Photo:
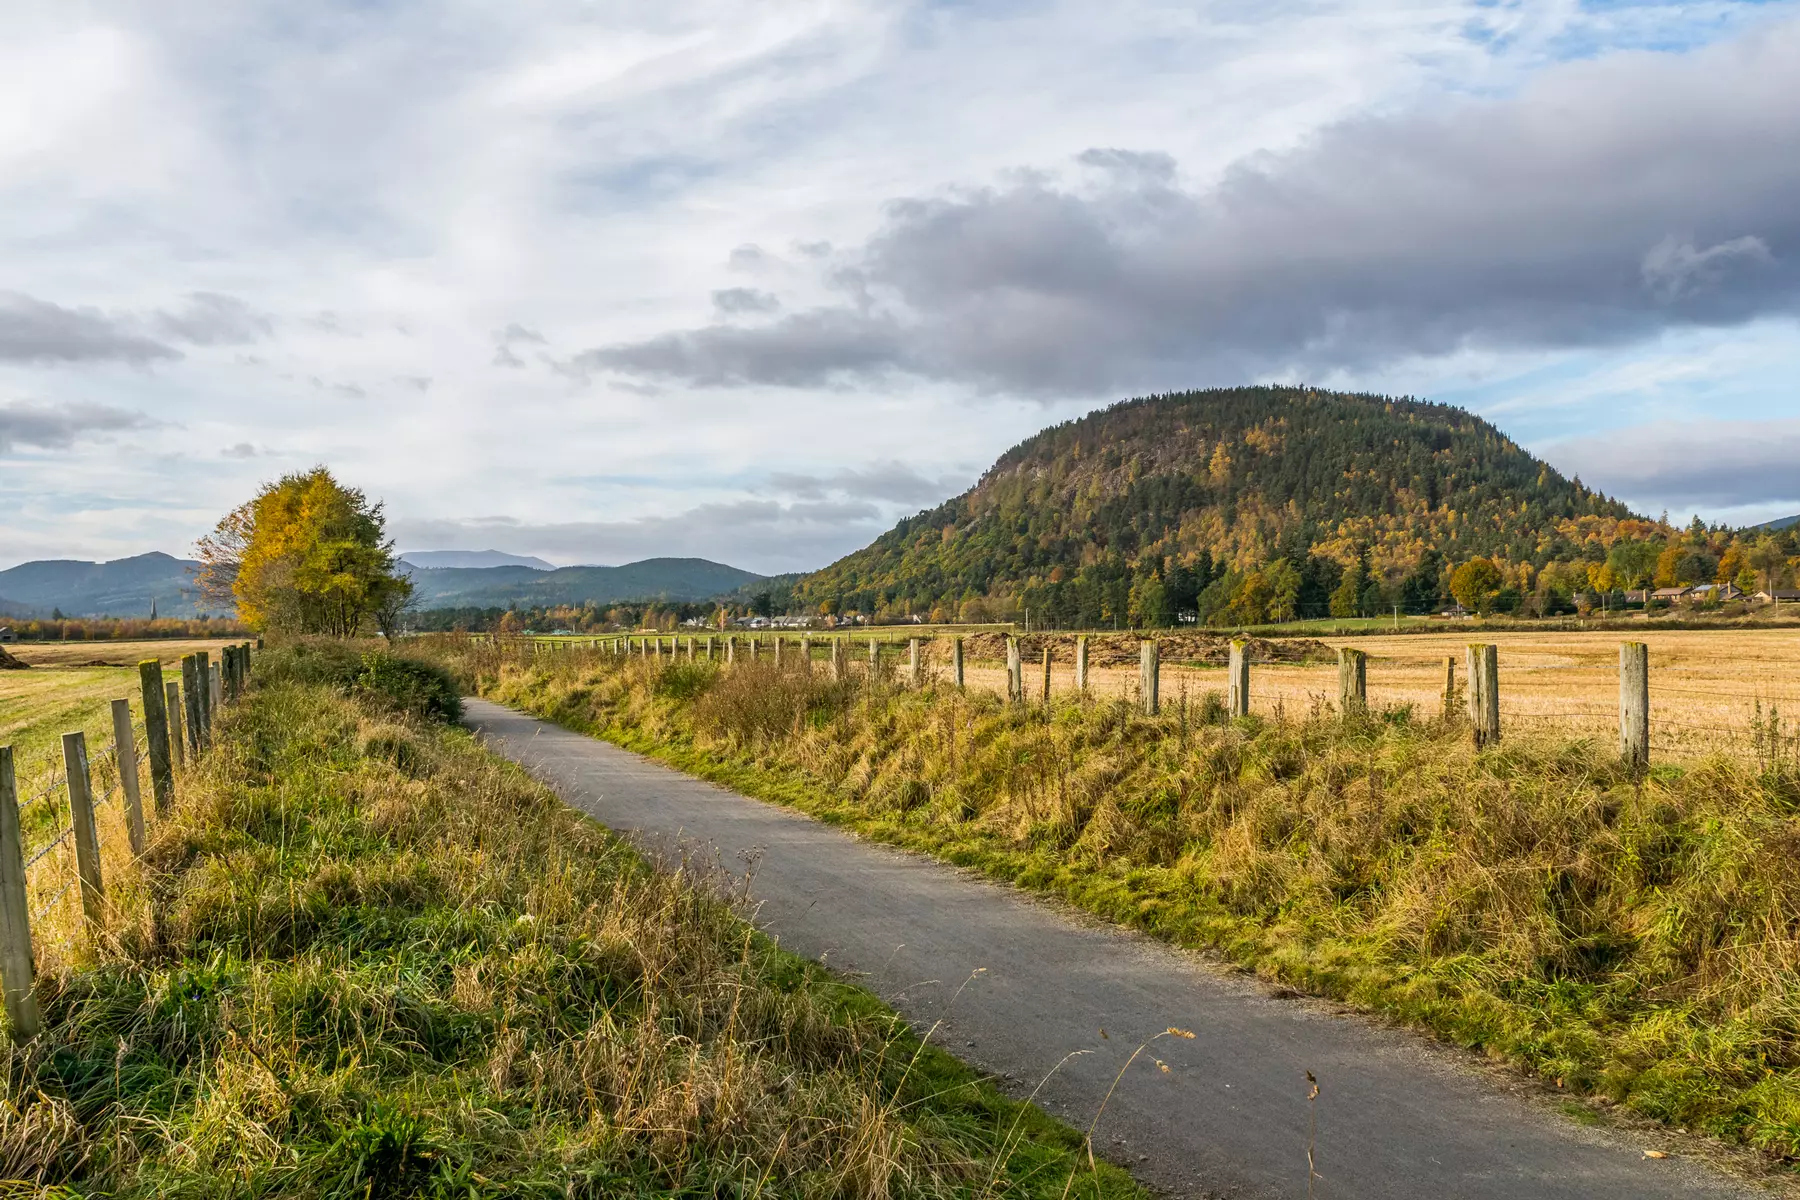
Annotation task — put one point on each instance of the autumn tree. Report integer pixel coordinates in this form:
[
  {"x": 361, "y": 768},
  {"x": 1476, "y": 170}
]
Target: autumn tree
[
  {"x": 306, "y": 556},
  {"x": 1476, "y": 583}
]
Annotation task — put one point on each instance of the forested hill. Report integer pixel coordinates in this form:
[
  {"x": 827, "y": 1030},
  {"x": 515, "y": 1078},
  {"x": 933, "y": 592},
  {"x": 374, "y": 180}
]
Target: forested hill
[{"x": 1175, "y": 492}]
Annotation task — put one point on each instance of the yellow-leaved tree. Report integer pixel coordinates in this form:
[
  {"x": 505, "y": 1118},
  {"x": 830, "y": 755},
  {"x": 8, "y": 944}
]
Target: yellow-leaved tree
[{"x": 307, "y": 555}]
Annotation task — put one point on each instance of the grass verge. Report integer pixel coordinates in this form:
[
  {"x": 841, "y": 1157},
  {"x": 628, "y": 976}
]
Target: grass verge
[
  {"x": 1636, "y": 940},
  {"x": 366, "y": 958}
]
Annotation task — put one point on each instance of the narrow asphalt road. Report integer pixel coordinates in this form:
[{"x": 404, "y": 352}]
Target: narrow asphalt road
[{"x": 1397, "y": 1117}]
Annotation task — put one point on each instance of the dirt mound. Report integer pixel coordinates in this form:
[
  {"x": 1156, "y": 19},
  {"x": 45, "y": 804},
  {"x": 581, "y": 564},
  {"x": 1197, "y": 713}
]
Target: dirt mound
[
  {"x": 1121, "y": 649},
  {"x": 9, "y": 663}
]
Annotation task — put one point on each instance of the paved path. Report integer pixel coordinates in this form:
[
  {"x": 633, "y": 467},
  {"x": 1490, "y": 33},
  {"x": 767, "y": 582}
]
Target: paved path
[{"x": 1398, "y": 1118}]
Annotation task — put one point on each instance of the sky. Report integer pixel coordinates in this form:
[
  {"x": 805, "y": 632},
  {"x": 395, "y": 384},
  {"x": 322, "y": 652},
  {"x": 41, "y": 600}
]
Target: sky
[{"x": 609, "y": 280}]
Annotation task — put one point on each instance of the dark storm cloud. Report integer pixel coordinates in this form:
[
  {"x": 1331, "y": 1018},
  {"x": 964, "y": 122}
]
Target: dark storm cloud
[
  {"x": 1677, "y": 465},
  {"x": 58, "y": 427},
  {"x": 37, "y": 331},
  {"x": 1608, "y": 200}
]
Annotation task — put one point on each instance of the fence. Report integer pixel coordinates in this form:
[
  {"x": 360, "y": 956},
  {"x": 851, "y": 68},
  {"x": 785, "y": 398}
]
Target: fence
[
  {"x": 56, "y": 832},
  {"x": 1653, "y": 715}
]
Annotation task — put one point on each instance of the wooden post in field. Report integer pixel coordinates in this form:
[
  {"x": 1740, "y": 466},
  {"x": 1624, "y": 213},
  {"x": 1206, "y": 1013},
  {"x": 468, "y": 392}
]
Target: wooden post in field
[
  {"x": 215, "y": 695},
  {"x": 1353, "y": 681},
  {"x": 1081, "y": 680},
  {"x": 709, "y": 648},
  {"x": 1015, "y": 672},
  {"x": 87, "y": 837},
  {"x": 956, "y": 660},
  {"x": 913, "y": 665},
  {"x": 778, "y": 641},
  {"x": 755, "y": 646},
  {"x": 126, "y": 759},
  {"x": 1046, "y": 673},
  {"x": 203, "y": 694},
  {"x": 190, "y": 702},
  {"x": 690, "y": 649},
  {"x": 806, "y": 654},
  {"x": 1449, "y": 686},
  {"x": 837, "y": 660},
  {"x": 1634, "y": 704},
  {"x": 1237, "y": 680},
  {"x": 1149, "y": 674},
  {"x": 874, "y": 660},
  {"x": 156, "y": 736},
  {"x": 172, "y": 705},
  {"x": 16, "y": 966},
  {"x": 1483, "y": 663}
]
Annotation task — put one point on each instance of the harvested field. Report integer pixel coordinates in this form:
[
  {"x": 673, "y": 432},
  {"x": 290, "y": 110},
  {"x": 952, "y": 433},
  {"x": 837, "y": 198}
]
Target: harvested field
[{"x": 1709, "y": 690}]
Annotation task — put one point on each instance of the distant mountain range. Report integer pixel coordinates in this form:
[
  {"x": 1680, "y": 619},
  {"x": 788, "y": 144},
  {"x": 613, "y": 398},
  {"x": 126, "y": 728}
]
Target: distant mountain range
[
  {"x": 678, "y": 579},
  {"x": 125, "y": 587},
  {"x": 445, "y": 559},
  {"x": 1780, "y": 523}
]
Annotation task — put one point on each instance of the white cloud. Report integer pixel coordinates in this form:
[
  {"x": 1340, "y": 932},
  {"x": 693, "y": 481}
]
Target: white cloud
[{"x": 378, "y": 196}]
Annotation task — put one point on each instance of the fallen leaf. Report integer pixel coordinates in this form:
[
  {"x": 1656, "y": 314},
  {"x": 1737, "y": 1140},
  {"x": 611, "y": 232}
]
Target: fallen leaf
[{"x": 1655, "y": 1154}]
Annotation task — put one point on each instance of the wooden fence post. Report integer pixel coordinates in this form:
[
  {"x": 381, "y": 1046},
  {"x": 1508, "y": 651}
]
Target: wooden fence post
[
  {"x": 1237, "y": 680},
  {"x": 173, "y": 705},
  {"x": 912, "y": 662},
  {"x": 1484, "y": 692},
  {"x": 1015, "y": 682},
  {"x": 778, "y": 640},
  {"x": 215, "y": 695},
  {"x": 1149, "y": 675},
  {"x": 1449, "y": 686},
  {"x": 956, "y": 660},
  {"x": 87, "y": 837},
  {"x": 1353, "y": 681},
  {"x": 125, "y": 758},
  {"x": 16, "y": 965},
  {"x": 1046, "y": 673},
  {"x": 837, "y": 660},
  {"x": 1634, "y": 704},
  {"x": 709, "y": 648},
  {"x": 203, "y": 692},
  {"x": 190, "y": 700},
  {"x": 1081, "y": 663},
  {"x": 156, "y": 736}
]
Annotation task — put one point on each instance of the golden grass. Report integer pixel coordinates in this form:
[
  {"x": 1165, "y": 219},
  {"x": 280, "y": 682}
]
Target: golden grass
[{"x": 1706, "y": 686}]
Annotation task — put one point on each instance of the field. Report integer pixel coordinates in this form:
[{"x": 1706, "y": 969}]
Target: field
[
  {"x": 1709, "y": 689},
  {"x": 70, "y": 687}
]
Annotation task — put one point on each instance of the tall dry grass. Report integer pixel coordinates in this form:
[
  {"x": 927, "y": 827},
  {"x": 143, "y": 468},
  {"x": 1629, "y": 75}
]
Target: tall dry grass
[
  {"x": 1638, "y": 939},
  {"x": 366, "y": 958}
]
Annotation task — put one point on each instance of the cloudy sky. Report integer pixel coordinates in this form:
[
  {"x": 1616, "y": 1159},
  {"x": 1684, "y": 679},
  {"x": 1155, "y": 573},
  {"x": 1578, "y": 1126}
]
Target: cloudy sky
[{"x": 598, "y": 281}]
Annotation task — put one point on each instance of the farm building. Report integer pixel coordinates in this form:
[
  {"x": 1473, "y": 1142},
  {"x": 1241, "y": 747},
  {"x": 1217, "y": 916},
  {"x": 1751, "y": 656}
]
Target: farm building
[{"x": 7, "y": 635}]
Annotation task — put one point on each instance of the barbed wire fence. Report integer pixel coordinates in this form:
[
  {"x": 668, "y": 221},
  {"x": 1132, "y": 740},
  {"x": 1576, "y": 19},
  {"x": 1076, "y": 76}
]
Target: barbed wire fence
[{"x": 80, "y": 822}]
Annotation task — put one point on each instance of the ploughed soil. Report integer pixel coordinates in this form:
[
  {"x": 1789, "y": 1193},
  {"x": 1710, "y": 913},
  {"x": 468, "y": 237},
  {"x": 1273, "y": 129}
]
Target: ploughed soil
[{"x": 1121, "y": 649}]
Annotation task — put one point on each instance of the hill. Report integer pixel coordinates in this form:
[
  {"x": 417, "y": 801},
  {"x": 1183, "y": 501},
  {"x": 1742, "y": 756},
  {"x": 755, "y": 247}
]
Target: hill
[
  {"x": 1131, "y": 514},
  {"x": 440, "y": 559},
  {"x": 526, "y": 587},
  {"x": 1778, "y": 524},
  {"x": 125, "y": 587}
]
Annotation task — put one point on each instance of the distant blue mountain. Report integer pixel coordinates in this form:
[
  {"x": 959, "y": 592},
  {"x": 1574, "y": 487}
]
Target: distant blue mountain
[
  {"x": 681, "y": 579},
  {"x": 124, "y": 587},
  {"x": 1778, "y": 524},
  {"x": 437, "y": 560}
]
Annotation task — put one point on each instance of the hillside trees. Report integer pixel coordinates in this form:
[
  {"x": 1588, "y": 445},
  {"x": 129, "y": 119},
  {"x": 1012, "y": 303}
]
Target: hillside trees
[{"x": 306, "y": 555}]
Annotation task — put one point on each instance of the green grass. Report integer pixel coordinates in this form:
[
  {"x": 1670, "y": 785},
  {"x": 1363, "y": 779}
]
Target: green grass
[
  {"x": 372, "y": 960},
  {"x": 1636, "y": 939}
]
